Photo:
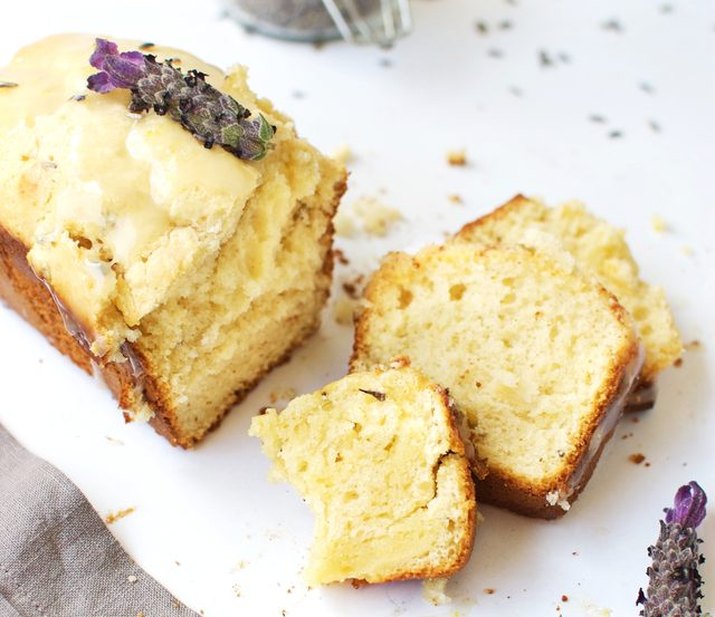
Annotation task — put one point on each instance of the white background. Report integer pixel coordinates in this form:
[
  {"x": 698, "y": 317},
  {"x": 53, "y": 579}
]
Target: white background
[{"x": 207, "y": 524}]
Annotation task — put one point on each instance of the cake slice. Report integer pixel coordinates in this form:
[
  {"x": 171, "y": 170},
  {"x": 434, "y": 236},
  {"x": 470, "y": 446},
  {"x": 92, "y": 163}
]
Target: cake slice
[
  {"x": 179, "y": 273},
  {"x": 600, "y": 249},
  {"x": 538, "y": 356},
  {"x": 378, "y": 458}
]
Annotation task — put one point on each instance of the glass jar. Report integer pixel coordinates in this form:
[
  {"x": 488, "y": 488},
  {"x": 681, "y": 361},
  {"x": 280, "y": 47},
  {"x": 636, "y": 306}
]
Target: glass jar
[{"x": 359, "y": 21}]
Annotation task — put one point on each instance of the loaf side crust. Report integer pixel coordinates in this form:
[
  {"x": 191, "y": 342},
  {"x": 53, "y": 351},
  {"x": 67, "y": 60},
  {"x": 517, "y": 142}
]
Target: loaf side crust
[{"x": 28, "y": 296}]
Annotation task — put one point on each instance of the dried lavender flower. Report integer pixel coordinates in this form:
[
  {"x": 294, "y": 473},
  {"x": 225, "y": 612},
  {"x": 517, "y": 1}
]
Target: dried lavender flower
[
  {"x": 212, "y": 117},
  {"x": 674, "y": 587}
]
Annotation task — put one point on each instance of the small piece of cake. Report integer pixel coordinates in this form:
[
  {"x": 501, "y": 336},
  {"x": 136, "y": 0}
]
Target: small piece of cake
[
  {"x": 378, "y": 458},
  {"x": 538, "y": 356},
  {"x": 180, "y": 272},
  {"x": 600, "y": 249}
]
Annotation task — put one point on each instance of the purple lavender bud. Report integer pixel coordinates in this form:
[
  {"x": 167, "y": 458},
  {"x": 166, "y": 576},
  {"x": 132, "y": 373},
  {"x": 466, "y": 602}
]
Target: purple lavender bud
[
  {"x": 117, "y": 70},
  {"x": 212, "y": 117},
  {"x": 689, "y": 509},
  {"x": 674, "y": 580}
]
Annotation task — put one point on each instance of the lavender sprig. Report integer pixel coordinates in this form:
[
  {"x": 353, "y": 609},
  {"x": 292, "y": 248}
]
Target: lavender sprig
[
  {"x": 212, "y": 117},
  {"x": 674, "y": 587}
]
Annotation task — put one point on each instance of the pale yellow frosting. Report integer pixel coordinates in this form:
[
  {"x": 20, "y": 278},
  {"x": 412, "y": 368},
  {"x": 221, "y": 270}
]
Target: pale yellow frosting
[{"x": 114, "y": 207}]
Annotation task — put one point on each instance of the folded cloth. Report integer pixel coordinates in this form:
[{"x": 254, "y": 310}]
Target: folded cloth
[{"x": 57, "y": 558}]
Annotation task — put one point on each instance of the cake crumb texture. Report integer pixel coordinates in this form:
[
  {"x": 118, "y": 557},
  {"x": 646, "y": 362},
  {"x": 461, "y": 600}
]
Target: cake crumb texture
[{"x": 390, "y": 485}]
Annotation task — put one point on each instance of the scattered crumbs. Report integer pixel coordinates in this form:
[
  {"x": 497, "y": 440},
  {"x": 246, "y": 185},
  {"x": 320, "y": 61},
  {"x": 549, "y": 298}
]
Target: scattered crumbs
[
  {"x": 564, "y": 57},
  {"x": 635, "y": 419},
  {"x": 353, "y": 287},
  {"x": 693, "y": 345},
  {"x": 177, "y": 562},
  {"x": 516, "y": 91},
  {"x": 646, "y": 87},
  {"x": 454, "y": 198},
  {"x": 574, "y": 553},
  {"x": 626, "y": 435},
  {"x": 481, "y": 27},
  {"x": 564, "y": 598},
  {"x": 612, "y": 25},
  {"x": 647, "y": 464},
  {"x": 506, "y": 24},
  {"x": 146, "y": 45},
  {"x": 236, "y": 590},
  {"x": 495, "y": 52},
  {"x": 654, "y": 126},
  {"x": 678, "y": 363},
  {"x": 114, "y": 440},
  {"x": 658, "y": 224},
  {"x": 201, "y": 611},
  {"x": 376, "y": 217},
  {"x": 597, "y": 118},
  {"x": 344, "y": 155},
  {"x": 282, "y": 394},
  {"x": 636, "y": 458},
  {"x": 113, "y": 517},
  {"x": 544, "y": 58},
  {"x": 8, "y": 84},
  {"x": 434, "y": 591},
  {"x": 175, "y": 603},
  {"x": 318, "y": 45},
  {"x": 344, "y": 310},
  {"x": 284, "y": 612},
  {"x": 489, "y": 590},
  {"x": 298, "y": 94},
  {"x": 385, "y": 62},
  {"x": 616, "y": 134},
  {"x": 141, "y": 614},
  {"x": 457, "y": 158},
  {"x": 132, "y": 579},
  {"x": 686, "y": 250},
  {"x": 340, "y": 257}
]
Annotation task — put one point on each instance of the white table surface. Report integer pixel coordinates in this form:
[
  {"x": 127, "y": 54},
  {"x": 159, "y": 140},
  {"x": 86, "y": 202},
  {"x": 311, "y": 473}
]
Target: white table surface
[{"x": 207, "y": 524}]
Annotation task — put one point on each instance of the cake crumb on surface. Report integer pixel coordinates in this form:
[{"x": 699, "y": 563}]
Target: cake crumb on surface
[
  {"x": 692, "y": 345},
  {"x": 366, "y": 214},
  {"x": 636, "y": 458},
  {"x": 132, "y": 579},
  {"x": 113, "y": 517},
  {"x": 457, "y": 158},
  {"x": 282, "y": 394},
  {"x": 489, "y": 590},
  {"x": 344, "y": 309},
  {"x": 658, "y": 224},
  {"x": 434, "y": 591},
  {"x": 344, "y": 155},
  {"x": 455, "y": 198}
]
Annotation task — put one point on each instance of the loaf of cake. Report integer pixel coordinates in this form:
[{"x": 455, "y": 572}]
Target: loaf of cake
[
  {"x": 600, "y": 249},
  {"x": 537, "y": 355},
  {"x": 378, "y": 458},
  {"x": 177, "y": 271}
]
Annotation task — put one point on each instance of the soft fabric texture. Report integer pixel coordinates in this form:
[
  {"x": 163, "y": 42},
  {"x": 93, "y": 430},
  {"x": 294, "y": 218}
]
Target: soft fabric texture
[{"x": 57, "y": 558}]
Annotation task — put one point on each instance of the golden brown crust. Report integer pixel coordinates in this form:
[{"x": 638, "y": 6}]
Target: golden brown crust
[
  {"x": 25, "y": 293},
  {"x": 499, "y": 213}
]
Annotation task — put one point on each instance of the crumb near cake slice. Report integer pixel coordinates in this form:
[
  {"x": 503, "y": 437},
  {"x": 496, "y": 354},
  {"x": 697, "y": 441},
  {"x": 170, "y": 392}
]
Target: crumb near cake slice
[
  {"x": 389, "y": 484},
  {"x": 182, "y": 274},
  {"x": 538, "y": 356}
]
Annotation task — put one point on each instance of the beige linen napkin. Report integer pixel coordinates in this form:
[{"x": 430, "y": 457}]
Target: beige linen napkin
[{"x": 57, "y": 558}]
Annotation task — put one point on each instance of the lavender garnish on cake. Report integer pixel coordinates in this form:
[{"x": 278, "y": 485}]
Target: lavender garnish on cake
[
  {"x": 212, "y": 117},
  {"x": 674, "y": 587}
]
